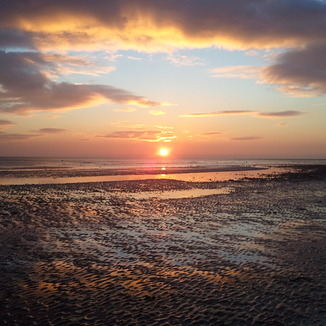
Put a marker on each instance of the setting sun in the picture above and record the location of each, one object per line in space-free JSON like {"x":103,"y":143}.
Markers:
{"x":164,"y":152}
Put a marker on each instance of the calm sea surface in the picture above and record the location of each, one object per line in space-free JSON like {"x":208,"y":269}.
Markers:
{"x":166,"y":169}
{"x":39,"y":163}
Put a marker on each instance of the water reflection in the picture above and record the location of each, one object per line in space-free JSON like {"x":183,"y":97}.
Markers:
{"x":175,"y":194}
{"x":189,"y":177}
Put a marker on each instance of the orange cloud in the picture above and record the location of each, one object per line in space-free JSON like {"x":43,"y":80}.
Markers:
{"x":146,"y":135}
{"x":154,"y":25}
{"x":246,"y":138}
{"x":156,"y":112}
{"x":279,"y":114}
{"x":125,"y":110}
{"x":211,"y":133}
{"x":142,"y":135}
{"x":213,"y":114}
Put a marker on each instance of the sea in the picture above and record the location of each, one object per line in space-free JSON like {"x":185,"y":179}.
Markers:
{"x":16,"y":165}
{"x":19,"y":163}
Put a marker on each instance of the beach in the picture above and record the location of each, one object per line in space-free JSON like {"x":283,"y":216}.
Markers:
{"x":247,"y":250}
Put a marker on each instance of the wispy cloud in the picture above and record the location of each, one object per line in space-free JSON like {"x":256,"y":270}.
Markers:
{"x":167,"y":136}
{"x":249,"y":138}
{"x":133,"y":134}
{"x":58,"y":65}
{"x":125,"y":110}
{"x":156,"y":112}
{"x":210,"y":133}
{"x":50,"y":130}
{"x":134,"y":58}
{"x":126,"y":124}
{"x":164,"y":127}
{"x":279,"y":114}
{"x":142,"y":135}
{"x":243,"y":72}
{"x":218,"y":113}
{"x":6,"y":124}
{"x":185,"y":60}
{"x":15,"y":137}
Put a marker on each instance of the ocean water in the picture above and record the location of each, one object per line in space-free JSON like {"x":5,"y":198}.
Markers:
{"x":37,"y":170}
{"x":40,"y":163}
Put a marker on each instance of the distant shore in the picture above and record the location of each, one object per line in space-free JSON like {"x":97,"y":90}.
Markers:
{"x":72,"y":175}
{"x":82,"y":172}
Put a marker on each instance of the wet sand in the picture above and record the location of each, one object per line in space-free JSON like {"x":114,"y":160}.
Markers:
{"x":253,"y":253}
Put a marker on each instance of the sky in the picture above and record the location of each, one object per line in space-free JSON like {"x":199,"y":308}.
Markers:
{"x":125,"y":78}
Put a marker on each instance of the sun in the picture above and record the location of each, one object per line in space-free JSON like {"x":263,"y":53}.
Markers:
{"x":163,"y":151}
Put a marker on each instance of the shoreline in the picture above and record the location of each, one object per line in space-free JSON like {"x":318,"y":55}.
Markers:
{"x":14,"y":177}
{"x":190,"y":174}
{"x":80,"y":172}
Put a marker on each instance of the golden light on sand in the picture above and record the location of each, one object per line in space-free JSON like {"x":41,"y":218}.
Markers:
{"x":163,"y":151}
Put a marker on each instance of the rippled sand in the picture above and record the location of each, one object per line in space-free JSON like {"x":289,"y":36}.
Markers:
{"x":252,"y":253}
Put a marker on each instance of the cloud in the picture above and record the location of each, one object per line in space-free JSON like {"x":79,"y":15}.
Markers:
{"x":211,"y":133}
{"x":51,"y":130}
{"x":243,"y":72}
{"x":246,"y":138}
{"x":6,"y":124}
{"x":15,"y":39}
{"x":145,"y":135}
{"x":142,"y":135}
{"x":52,"y":116}
{"x":298,"y":26}
{"x":157,"y":25}
{"x":213,"y":114}
{"x":20,"y":137}
{"x":300,"y":71}
{"x":164,"y":127}
{"x":126,"y":124}
{"x":25,"y":88}
{"x":281,"y":114}
{"x":184,"y":60}
{"x":134,"y":58}
{"x":69,"y":65}
{"x":14,"y":137}
{"x":167,"y":136}
{"x":156,"y":112}
{"x":124,"y":110}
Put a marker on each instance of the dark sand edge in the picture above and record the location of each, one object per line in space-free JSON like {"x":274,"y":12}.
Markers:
{"x":81,"y":172}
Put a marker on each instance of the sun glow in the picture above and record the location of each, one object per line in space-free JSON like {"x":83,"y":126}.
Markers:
{"x":163,"y":151}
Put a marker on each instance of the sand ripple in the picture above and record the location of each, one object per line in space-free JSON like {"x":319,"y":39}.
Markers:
{"x":88,"y":255}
